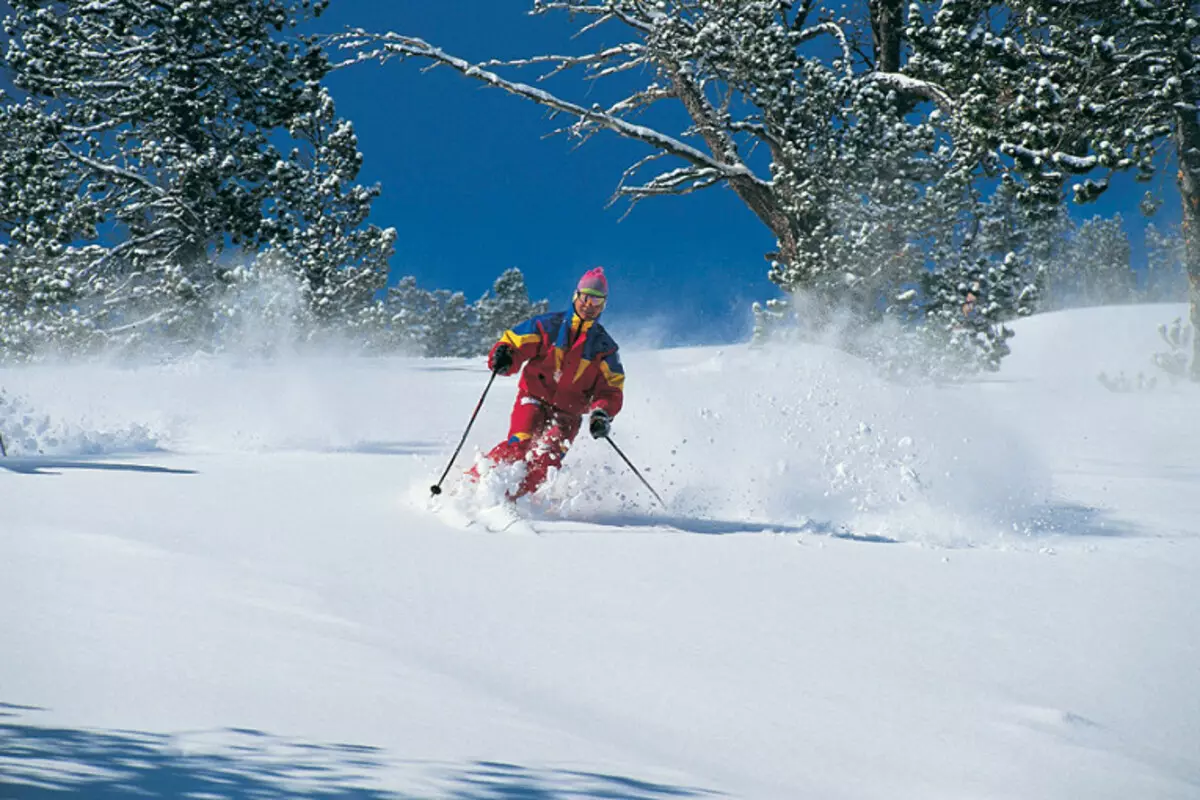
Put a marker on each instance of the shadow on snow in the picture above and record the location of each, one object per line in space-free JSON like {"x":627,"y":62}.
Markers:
{"x":403,"y":448}
{"x":720,"y":527}
{"x":1070,"y":519}
{"x":1061,"y":519}
{"x":46,"y":465}
{"x":44,"y":763}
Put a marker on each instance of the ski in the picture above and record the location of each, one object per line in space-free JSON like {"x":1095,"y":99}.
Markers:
{"x":504,"y":518}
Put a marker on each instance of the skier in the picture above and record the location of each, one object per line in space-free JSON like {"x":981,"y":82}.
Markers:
{"x":569,"y":367}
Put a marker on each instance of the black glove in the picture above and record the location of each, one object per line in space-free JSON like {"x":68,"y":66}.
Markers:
{"x":502,"y":358}
{"x":600,"y":424}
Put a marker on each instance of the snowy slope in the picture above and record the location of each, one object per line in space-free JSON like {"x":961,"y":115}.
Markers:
{"x":224,"y":579}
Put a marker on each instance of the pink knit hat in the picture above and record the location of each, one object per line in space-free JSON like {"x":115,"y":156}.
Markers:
{"x":593,"y":282}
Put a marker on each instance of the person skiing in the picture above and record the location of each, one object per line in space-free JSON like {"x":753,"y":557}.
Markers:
{"x":569,"y":367}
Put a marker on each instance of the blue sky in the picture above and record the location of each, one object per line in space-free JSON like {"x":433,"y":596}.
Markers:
{"x":473,"y":186}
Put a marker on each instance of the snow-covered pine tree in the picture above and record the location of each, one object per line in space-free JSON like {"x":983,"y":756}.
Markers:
{"x":926,"y":250}
{"x":442,"y":323}
{"x":453,"y":328}
{"x":970,"y":302}
{"x":1036,"y":233}
{"x":319,"y":219}
{"x":409,"y":312}
{"x":507,"y":304}
{"x":889,"y":193}
{"x":1097,"y":269}
{"x":1165,"y":280}
{"x":43,"y":280}
{"x":41,"y":295}
{"x":153,"y":131}
{"x":1072,"y":87}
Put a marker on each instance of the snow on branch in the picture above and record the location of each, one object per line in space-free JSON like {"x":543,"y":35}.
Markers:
{"x":684,"y":180}
{"x":914,"y":86}
{"x":605,"y":9}
{"x":562,"y":63}
{"x":382,"y":47}
{"x":834,"y":30}
{"x":1082,"y":6}
{"x":678,"y":181}
{"x":759,"y":131}
{"x":801,"y":15}
{"x":1075,"y":164}
{"x":646,"y":97}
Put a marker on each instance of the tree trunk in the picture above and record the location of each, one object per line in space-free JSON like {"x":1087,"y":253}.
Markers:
{"x":1187,"y":147}
{"x":759,"y":198}
{"x":887,"y":24}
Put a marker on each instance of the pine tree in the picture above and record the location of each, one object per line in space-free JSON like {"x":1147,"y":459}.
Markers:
{"x":409,"y":311}
{"x":1098,"y":266}
{"x":1165,"y":279}
{"x":1068,"y":88}
{"x":1036,"y":233}
{"x":152,"y":133}
{"x":970,"y":303}
{"x":43,"y":297}
{"x":453,"y":328}
{"x":507,"y":304}
{"x":319,"y":219}
{"x":442,"y":323}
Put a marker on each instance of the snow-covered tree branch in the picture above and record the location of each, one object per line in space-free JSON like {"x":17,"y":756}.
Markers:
{"x":859,"y":180}
{"x":389,"y":45}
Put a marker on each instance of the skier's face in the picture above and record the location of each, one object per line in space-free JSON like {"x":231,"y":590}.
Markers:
{"x":589,"y":306}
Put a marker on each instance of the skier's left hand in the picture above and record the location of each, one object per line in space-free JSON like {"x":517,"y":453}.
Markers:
{"x":502,"y":358}
{"x":600,"y":424}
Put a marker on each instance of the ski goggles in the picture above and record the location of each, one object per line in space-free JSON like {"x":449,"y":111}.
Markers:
{"x":591,"y":297}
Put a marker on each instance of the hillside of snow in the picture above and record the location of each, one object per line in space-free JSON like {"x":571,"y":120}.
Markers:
{"x":225,"y":578}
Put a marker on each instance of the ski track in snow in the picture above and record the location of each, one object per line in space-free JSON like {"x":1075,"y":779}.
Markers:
{"x":232,"y":574}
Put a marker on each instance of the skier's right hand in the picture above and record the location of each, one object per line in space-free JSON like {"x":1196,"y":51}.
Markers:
{"x":600,"y":424}
{"x":502,"y":358}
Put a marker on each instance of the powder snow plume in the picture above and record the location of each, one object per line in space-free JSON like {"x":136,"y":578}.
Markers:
{"x":795,"y":434}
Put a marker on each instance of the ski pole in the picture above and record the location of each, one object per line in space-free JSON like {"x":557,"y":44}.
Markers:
{"x":437,"y":487}
{"x":635,"y":472}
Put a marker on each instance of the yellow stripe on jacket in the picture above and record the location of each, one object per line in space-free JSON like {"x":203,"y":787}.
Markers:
{"x":517,"y":341}
{"x":615,"y":379}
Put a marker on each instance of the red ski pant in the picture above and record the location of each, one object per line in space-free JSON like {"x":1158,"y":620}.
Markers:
{"x":538,"y":434}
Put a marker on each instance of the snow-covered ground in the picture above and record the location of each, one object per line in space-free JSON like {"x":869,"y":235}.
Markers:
{"x":223,"y":579}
